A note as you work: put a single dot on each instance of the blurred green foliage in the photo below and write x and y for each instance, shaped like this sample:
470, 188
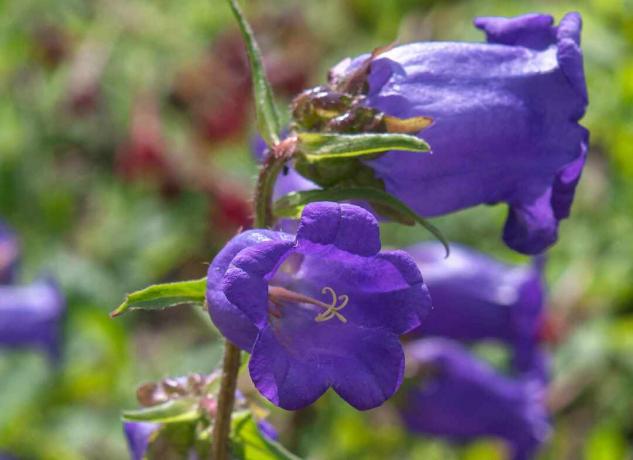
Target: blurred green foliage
71, 72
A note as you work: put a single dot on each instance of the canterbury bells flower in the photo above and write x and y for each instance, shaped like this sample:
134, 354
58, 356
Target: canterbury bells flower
456, 396
9, 254
478, 298
505, 122
31, 316
320, 309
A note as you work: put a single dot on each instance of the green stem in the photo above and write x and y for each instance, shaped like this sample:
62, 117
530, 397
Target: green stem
264, 218
268, 173
226, 399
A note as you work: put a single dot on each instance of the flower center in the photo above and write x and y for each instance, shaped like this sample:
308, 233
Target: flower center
279, 295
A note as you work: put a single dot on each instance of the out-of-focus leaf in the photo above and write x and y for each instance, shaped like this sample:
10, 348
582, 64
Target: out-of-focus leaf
292, 205
606, 442
267, 118
174, 411
248, 443
319, 146
161, 296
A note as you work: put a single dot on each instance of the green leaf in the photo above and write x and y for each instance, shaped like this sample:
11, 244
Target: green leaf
292, 205
161, 296
248, 443
174, 411
319, 146
268, 123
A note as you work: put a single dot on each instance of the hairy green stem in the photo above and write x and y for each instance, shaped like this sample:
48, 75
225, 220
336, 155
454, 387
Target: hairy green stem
268, 173
226, 399
264, 218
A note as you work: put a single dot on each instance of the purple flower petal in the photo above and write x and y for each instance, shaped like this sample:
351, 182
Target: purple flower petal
267, 430
462, 398
289, 380
137, 435
329, 308
31, 316
476, 297
231, 321
341, 225
9, 254
505, 122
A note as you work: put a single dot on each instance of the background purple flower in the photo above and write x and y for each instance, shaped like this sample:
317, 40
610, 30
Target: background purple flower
31, 316
9, 254
476, 297
505, 122
137, 435
267, 429
459, 397
279, 286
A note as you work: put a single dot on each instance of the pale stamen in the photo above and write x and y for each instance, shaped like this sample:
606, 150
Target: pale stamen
279, 295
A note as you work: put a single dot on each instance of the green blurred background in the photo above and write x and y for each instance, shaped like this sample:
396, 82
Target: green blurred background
124, 161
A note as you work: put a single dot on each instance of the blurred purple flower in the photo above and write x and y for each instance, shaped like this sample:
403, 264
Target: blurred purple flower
322, 309
137, 435
476, 297
505, 122
461, 398
9, 254
267, 430
31, 316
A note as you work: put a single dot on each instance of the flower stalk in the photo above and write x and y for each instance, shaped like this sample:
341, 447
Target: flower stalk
264, 218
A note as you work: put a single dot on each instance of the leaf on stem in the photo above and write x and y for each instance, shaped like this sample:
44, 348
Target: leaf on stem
248, 443
291, 206
320, 146
173, 411
268, 123
161, 296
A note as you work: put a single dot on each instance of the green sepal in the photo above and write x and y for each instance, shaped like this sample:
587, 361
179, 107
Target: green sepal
161, 296
173, 411
268, 123
248, 443
291, 206
322, 146
172, 441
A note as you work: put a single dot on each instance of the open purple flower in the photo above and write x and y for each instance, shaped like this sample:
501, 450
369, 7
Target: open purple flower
459, 397
31, 316
476, 297
505, 122
322, 309
9, 254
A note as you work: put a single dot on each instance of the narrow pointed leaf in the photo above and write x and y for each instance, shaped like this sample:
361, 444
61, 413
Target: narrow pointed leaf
248, 443
319, 146
292, 205
161, 296
174, 411
267, 118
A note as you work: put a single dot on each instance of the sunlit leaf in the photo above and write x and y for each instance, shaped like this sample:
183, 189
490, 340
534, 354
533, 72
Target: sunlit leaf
161, 296
173, 411
320, 146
